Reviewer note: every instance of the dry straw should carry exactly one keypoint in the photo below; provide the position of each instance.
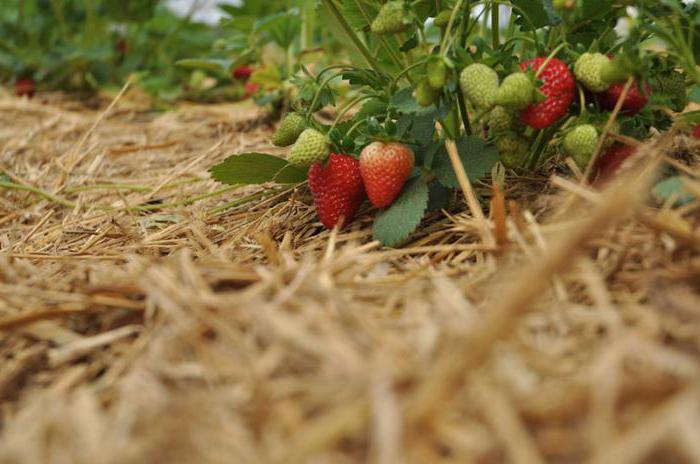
(146, 315)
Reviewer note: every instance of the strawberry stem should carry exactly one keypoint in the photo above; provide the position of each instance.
(495, 25)
(361, 47)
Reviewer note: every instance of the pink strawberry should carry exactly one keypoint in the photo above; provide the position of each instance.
(635, 101)
(337, 189)
(558, 88)
(385, 168)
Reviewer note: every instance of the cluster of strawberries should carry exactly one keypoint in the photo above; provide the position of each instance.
(340, 187)
(541, 94)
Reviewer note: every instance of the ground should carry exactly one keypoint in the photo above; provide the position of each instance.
(150, 315)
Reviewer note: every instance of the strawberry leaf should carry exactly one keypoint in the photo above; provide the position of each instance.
(396, 223)
(256, 168)
(439, 196)
(672, 188)
(477, 157)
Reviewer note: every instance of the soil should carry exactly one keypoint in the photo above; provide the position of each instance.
(148, 314)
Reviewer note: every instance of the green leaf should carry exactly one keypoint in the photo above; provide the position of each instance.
(672, 187)
(538, 11)
(290, 174)
(694, 95)
(213, 65)
(439, 196)
(477, 157)
(396, 223)
(256, 168)
(404, 102)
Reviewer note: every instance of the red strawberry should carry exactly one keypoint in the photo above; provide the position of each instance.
(385, 168)
(559, 89)
(251, 88)
(24, 87)
(337, 189)
(634, 103)
(242, 72)
(608, 164)
(696, 132)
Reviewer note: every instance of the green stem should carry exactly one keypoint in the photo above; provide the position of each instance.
(495, 26)
(463, 111)
(448, 30)
(37, 191)
(347, 108)
(318, 92)
(395, 81)
(70, 204)
(351, 34)
(355, 126)
(395, 58)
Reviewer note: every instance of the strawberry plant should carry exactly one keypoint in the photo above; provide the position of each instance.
(423, 91)
(82, 46)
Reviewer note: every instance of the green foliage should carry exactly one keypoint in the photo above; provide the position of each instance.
(477, 157)
(76, 45)
(397, 222)
(256, 168)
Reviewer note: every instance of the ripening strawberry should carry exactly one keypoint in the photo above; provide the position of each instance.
(442, 19)
(289, 130)
(337, 189)
(516, 92)
(609, 162)
(499, 120)
(588, 71)
(558, 87)
(580, 144)
(425, 94)
(385, 168)
(512, 150)
(436, 70)
(635, 101)
(672, 85)
(597, 71)
(311, 147)
(391, 19)
(479, 85)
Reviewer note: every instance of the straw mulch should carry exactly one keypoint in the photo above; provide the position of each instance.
(145, 321)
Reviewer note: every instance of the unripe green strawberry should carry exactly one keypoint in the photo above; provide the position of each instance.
(673, 86)
(310, 147)
(614, 70)
(588, 70)
(479, 84)
(580, 144)
(437, 72)
(516, 92)
(512, 150)
(289, 130)
(426, 95)
(443, 18)
(500, 120)
(391, 19)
